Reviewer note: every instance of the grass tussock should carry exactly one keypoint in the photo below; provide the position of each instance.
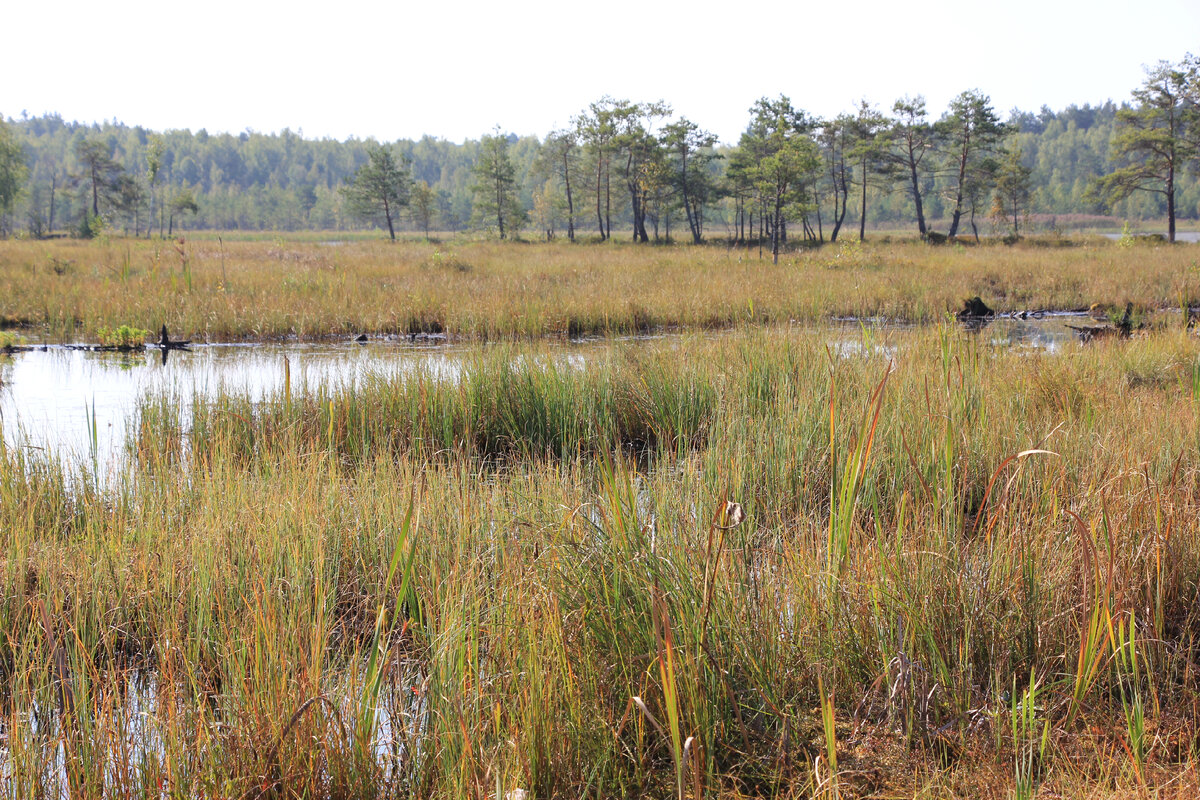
(755, 565)
(499, 404)
(208, 290)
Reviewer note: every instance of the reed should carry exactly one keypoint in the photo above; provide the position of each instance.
(250, 608)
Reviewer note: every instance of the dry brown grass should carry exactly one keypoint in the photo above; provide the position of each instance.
(473, 289)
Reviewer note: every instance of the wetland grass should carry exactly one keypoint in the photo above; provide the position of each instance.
(528, 577)
(476, 290)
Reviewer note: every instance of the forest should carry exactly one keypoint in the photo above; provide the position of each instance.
(638, 166)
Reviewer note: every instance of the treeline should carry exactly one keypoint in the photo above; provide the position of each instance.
(636, 168)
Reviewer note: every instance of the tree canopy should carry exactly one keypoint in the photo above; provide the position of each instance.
(12, 172)
(634, 164)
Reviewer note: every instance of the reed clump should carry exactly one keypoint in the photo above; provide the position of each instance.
(952, 569)
(499, 404)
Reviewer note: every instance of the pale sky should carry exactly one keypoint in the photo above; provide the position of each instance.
(393, 70)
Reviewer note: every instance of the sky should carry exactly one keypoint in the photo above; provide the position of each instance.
(456, 70)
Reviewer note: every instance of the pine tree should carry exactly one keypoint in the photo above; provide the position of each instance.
(496, 187)
(691, 152)
(913, 138)
(382, 186)
(423, 205)
(1155, 139)
(868, 152)
(1014, 187)
(972, 133)
(101, 171)
(786, 163)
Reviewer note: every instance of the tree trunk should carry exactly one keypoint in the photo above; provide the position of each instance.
(500, 210)
(916, 193)
(954, 221)
(599, 215)
(95, 192)
(962, 176)
(636, 205)
(1171, 204)
(53, 186)
(607, 204)
(633, 207)
(839, 214)
(570, 203)
(776, 228)
(862, 218)
(387, 213)
(693, 222)
(643, 205)
(162, 205)
(692, 215)
(687, 204)
(762, 226)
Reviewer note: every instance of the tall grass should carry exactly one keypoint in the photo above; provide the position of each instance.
(578, 613)
(500, 404)
(213, 290)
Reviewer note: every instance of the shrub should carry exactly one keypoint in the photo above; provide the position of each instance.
(124, 336)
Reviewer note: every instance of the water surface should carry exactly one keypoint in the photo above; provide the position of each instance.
(80, 404)
(72, 402)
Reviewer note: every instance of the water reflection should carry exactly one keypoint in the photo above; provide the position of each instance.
(79, 404)
(76, 402)
(1047, 332)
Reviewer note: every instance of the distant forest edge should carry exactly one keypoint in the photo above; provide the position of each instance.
(635, 170)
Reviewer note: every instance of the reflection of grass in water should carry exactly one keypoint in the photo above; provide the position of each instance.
(123, 360)
(275, 289)
(564, 566)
